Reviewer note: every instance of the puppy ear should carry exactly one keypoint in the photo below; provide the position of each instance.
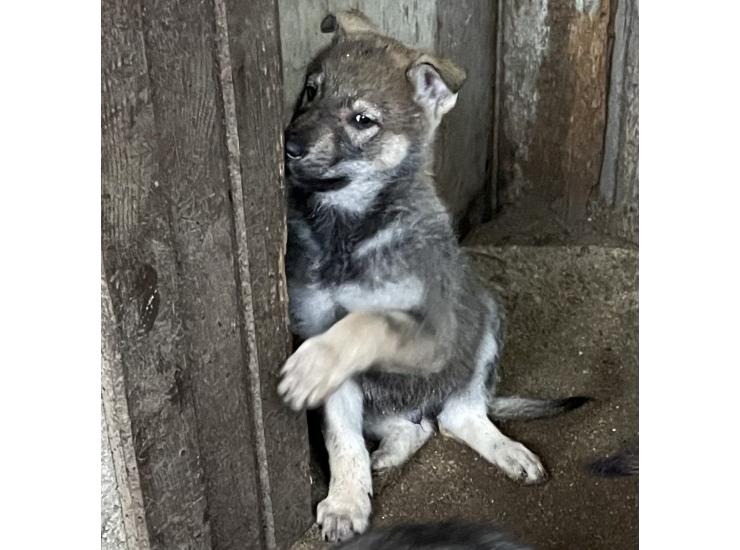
(436, 82)
(344, 23)
(452, 75)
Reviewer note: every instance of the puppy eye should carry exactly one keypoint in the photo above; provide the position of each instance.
(310, 91)
(362, 121)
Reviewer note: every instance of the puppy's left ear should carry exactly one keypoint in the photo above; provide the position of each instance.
(347, 23)
(436, 82)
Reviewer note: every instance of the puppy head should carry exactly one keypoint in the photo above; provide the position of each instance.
(369, 107)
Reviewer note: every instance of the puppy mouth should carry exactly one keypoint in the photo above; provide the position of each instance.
(319, 185)
(313, 182)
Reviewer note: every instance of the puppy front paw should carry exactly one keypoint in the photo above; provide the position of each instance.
(311, 374)
(519, 463)
(342, 518)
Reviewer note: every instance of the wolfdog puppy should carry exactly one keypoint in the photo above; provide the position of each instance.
(399, 334)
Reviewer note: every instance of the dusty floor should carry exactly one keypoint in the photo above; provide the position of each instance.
(572, 330)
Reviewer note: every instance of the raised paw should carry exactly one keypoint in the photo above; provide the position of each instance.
(518, 462)
(341, 518)
(311, 374)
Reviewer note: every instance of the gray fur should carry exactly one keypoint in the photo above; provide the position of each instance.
(622, 464)
(440, 536)
(373, 265)
(330, 252)
(529, 408)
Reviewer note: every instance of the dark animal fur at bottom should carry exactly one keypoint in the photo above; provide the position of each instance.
(439, 536)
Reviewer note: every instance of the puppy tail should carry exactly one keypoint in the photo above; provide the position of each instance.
(625, 463)
(529, 408)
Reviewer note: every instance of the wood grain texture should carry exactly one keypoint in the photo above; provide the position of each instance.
(617, 210)
(180, 47)
(553, 104)
(258, 111)
(193, 245)
(466, 33)
(141, 271)
(118, 437)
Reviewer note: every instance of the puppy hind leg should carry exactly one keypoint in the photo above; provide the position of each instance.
(399, 438)
(346, 509)
(466, 421)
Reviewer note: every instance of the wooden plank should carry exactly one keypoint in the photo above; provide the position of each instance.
(466, 33)
(194, 262)
(126, 500)
(112, 527)
(181, 54)
(494, 187)
(553, 104)
(257, 111)
(141, 272)
(617, 212)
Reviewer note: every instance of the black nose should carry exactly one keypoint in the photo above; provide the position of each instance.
(294, 147)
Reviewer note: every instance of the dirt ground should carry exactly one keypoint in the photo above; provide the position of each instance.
(572, 330)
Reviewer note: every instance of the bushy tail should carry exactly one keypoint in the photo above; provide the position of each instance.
(529, 408)
(625, 463)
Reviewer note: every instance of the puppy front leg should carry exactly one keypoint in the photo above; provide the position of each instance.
(346, 510)
(392, 340)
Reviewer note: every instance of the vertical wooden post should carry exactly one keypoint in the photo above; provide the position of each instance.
(466, 33)
(554, 60)
(257, 115)
(193, 241)
(617, 210)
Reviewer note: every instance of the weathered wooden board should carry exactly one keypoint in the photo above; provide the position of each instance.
(258, 110)
(180, 44)
(122, 498)
(617, 211)
(553, 104)
(193, 241)
(142, 277)
(465, 31)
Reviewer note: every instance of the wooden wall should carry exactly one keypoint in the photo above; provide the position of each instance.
(194, 299)
(568, 112)
(617, 210)
(553, 102)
